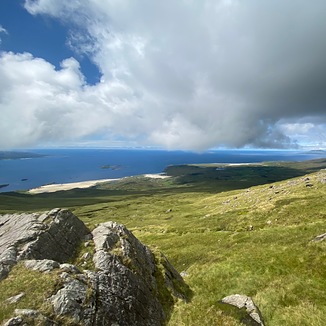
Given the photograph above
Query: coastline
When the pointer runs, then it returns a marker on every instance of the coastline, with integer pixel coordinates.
(84, 184)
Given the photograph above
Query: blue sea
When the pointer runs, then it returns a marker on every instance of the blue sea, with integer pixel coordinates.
(73, 165)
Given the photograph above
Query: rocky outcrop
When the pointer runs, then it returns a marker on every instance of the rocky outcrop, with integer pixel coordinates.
(243, 308)
(52, 235)
(129, 285)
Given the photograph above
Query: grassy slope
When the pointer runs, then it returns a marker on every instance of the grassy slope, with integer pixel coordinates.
(254, 241)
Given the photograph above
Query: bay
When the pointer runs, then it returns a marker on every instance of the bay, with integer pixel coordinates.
(74, 165)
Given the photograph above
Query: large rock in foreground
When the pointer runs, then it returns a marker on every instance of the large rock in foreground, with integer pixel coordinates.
(129, 284)
(52, 235)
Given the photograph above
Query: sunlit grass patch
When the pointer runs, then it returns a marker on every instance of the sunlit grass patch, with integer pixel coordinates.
(36, 286)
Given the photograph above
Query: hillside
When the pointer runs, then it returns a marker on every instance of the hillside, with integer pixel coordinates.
(227, 230)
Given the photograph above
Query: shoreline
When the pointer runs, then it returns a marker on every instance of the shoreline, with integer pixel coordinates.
(85, 184)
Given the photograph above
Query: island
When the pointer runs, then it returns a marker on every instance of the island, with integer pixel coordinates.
(16, 155)
(112, 167)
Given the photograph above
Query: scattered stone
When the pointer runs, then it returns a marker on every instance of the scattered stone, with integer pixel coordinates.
(86, 256)
(244, 309)
(87, 244)
(15, 298)
(26, 312)
(184, 274)
(15, 321)
(269, 222)
(44, 265)
(309, 185)
(250, 228)
(168, 210)
(69, 268)
(320, 237)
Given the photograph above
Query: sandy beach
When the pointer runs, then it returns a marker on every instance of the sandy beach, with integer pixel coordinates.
(84, 184)
(67, 186)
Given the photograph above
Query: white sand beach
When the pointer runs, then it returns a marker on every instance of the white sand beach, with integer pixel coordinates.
(67, 186)
(84, 184)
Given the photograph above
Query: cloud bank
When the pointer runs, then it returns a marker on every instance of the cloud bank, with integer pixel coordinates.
(178, 74)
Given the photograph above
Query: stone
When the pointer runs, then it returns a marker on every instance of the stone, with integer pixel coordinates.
(53, 235)
(184, 274)
(15, 298)
(7, 260)
(26, 312)
(15, 321)
(320, 237)
(244, 309)
(123, 289)
(44, 265)
(69, 300)
(86, 256)
(69, 268)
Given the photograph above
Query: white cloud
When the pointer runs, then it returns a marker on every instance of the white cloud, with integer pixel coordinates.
(2, 30)
(181, 74)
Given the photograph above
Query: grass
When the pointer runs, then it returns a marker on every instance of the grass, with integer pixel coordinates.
(35, 285)
(229, 236)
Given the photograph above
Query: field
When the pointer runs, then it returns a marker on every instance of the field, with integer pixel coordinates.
(230, 229)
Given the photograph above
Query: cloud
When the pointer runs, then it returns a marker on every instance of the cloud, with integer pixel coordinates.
(2, 30)
(186, 74)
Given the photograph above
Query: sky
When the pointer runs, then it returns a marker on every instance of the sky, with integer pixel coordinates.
(186, 74)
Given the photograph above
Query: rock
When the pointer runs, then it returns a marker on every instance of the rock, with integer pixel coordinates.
(44, 265)
(244, 309)
(15, 321)
(86, 256)
(124, 289)
(15, 298)
(69, 268)
(184, 274)
(129, 286)
(54, 235)
(27, 312)
(320, 237)
(7, 260)
(168, 210)
(69, 300)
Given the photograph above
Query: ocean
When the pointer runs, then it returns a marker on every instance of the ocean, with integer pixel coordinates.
(73, 165)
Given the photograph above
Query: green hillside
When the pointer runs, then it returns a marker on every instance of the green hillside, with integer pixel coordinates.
(230, 229)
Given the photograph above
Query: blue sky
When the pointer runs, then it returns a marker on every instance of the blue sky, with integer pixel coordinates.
(179, 75)
(42, 36)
